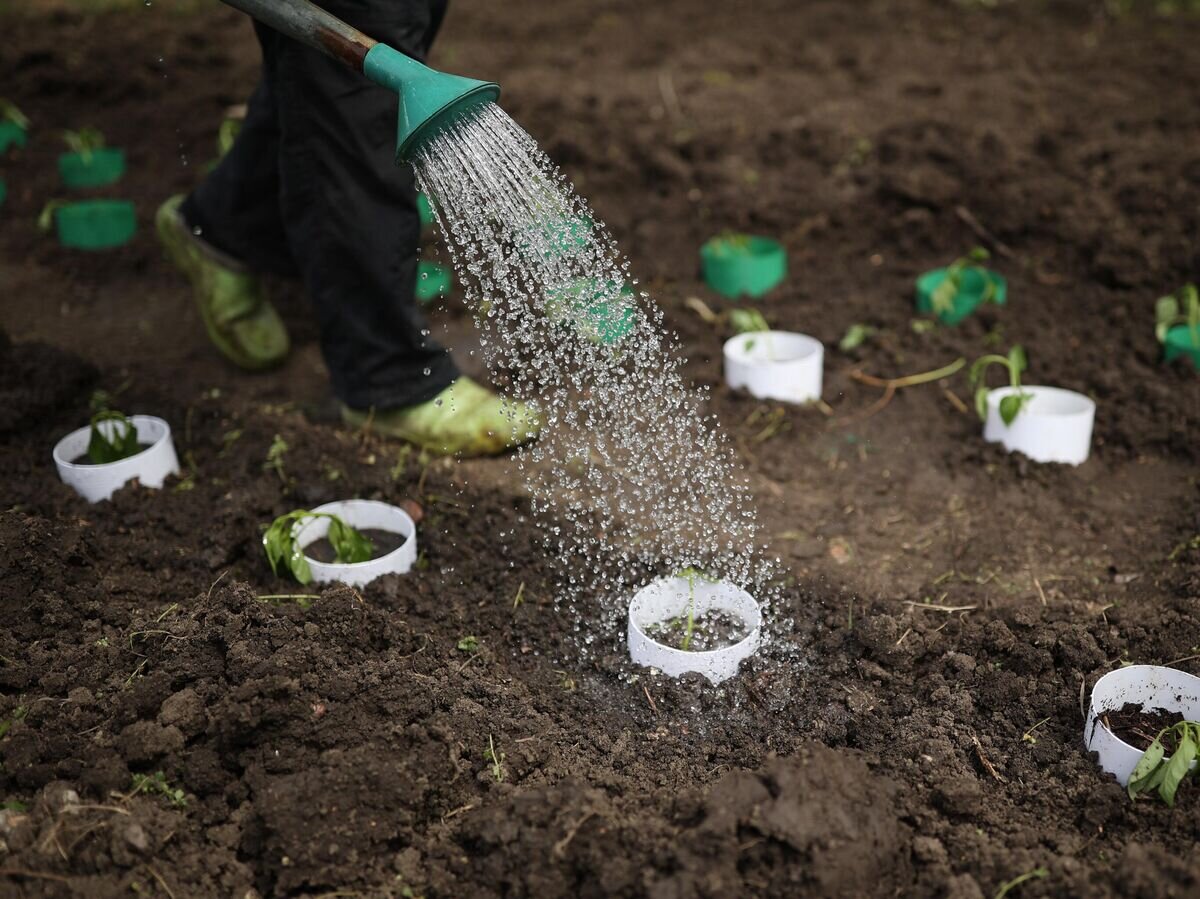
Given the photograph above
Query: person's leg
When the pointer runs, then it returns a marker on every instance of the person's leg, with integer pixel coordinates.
(351, 218)
(229, 229)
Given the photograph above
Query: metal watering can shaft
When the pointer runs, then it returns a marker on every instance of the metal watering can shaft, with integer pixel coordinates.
(429, 99)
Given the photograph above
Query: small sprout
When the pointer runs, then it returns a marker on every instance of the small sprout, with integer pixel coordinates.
(943, 295)
(279, 543)
(520, 597)
(495, 758)
(1011, 405)
(274, 461)
(1155, 771)
(1179, 308)
(10, 113)
(469, 643)
(18, 714)
(229, 438)
(157, 783)
(85, 142)
(103, 641)
(1028, 736)
(747, 321)
(922, 325)
(566, 682)
(856, 335)
(45, 220)
(1010, 885)
(14, 805)
(113, 443)
(690, 627)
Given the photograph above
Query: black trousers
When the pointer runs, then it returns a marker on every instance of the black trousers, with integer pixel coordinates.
(310, 188)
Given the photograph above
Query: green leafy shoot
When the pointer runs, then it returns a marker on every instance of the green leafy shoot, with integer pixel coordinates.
(10, 113)
(1179, 308)
(751, 321)
(157, 783)
(45, 220)
(18, 714)
(85, 142)
(469, 643)
(1158, 772)
(496, 758)
(943, 295)
(856, 335)
(279, 543)
(690, 626)
(113, 437)
(1011, 405)
(731, 243)
(275, 454)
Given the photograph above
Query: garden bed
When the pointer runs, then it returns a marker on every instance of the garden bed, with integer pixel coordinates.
(916, 727)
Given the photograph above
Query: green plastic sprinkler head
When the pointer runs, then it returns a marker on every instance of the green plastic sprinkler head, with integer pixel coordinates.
(429, 99)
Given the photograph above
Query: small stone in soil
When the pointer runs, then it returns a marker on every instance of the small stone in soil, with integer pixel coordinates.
(84, 460)
(710, 630)
(382, 541)
(1138, 726)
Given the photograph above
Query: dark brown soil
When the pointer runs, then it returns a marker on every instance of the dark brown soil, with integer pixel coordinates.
(712, 630)
(382, 543)
(1139, 726)
(943, 598)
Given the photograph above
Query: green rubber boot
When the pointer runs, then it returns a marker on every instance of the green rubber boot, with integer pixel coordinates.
(463, 420)
(241, 322)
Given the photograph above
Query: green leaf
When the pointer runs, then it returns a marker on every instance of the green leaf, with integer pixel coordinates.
(279, 543)
(1146, 766)
(745, 321)
(854, 337)
(942, 298)
(85, 142)
(349, 544)
(978, 254)
(1011, 405)
(1177, 767)
(10, 113)
(111, 444)
(45, 220)
(468, 643)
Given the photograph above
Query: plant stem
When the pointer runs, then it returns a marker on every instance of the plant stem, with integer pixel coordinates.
(912, 380)
(691, 619)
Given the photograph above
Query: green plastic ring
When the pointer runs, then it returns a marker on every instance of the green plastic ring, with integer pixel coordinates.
(971, 290)
(95, 224)
(743, 264)
(101, 167)
(1182, 341)
(433, 281)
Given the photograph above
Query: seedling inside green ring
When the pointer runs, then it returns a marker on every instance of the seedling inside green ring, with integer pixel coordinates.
(120, 442)
(85, 142)
(279, 543)
(942, 298)
(1011, 405)
(1156, 772)
(1179, 308)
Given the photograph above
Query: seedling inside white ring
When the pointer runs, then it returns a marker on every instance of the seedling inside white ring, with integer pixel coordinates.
(279, 543)
(1011, 405)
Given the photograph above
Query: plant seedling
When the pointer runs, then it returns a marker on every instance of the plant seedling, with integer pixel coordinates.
(689, 629)
(123, 442)
(469, 643)
(1179, 308)
(751, 321)
(10, 113)
(279, 542)
(1011, 405)
(85, 142)
(157, 783)
(274, 461)
(495, 758)
(1156, 772)
(856, 335)
(942, 298)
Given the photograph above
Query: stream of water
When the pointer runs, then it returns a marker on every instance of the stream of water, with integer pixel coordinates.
(630, 476)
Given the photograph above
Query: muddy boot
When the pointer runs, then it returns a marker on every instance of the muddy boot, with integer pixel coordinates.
(240, 321)
(463, 420)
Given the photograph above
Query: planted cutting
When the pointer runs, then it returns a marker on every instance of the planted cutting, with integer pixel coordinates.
(1011, 404)
(114, 449)
(90, 224)
(736, 265)
(348, 545)
(1177, 324)
(1166, 762)
(691, 622)
(1047, 424)
(350, 542)
(14, 126)
(89, 162)
(775, 365)
(954, 292)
